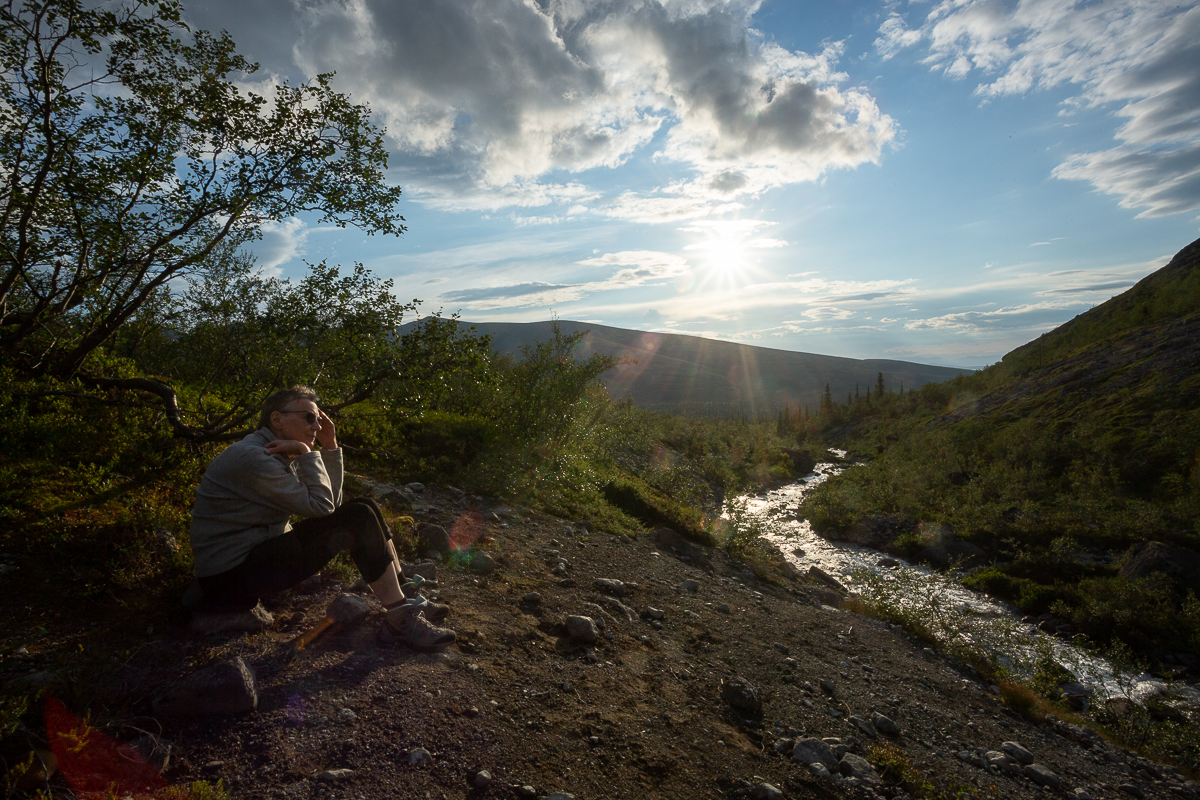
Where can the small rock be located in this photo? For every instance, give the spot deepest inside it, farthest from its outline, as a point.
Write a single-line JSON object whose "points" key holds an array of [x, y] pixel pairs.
{"points": [[1042, 776], [252, 620], [414, 487], [334, 775], [396, 500], [610, 586], [655, 613], [419, 757], [781, 648], [766, 791], [433, 537], [226, 688], [1131, 789], [526, 791], [723, 608], [783, 746], [888, 563], [456, 493], [1079, 794], [819, 770], [867, 728], [503, 512], [426, 569], [741, 695], [1017, 752], [827, 686], [854, 766], [348, 609], [532, 599], [582, 628], [884, 725], [814, 751], [483, 563], [482, 779], [690, 586], [560, 796]]}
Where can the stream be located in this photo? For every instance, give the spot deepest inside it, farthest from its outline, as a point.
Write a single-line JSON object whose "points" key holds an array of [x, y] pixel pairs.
{"points": [[973, 619]]}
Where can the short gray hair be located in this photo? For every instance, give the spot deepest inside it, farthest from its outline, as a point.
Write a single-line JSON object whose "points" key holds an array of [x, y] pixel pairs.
{"points": [[280, 400]]}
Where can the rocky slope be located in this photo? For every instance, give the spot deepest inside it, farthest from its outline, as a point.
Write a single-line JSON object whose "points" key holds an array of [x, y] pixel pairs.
{"points": [[703, 681]]}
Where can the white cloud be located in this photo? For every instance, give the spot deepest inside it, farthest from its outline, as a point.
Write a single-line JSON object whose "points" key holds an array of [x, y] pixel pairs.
{"points": [[638, 268], [1138, 55], [1033, 316], [280, 243], [484, 99]]}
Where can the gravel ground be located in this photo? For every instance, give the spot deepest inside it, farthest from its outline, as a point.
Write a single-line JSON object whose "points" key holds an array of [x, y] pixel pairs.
{"points": [[639, 713]]}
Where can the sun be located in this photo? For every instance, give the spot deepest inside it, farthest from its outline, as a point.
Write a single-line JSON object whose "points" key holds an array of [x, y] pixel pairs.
{"points": [[724, 253]]}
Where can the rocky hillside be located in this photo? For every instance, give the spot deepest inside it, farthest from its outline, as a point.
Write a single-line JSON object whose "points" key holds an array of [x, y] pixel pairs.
{"points": [[588, 665]]}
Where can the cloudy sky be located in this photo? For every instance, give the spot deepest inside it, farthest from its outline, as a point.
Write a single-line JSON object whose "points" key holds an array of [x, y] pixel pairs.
{"points": [[936, 181]]}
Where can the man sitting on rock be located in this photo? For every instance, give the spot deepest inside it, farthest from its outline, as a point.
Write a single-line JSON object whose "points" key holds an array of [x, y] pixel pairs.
{"points": [[245, 547]]}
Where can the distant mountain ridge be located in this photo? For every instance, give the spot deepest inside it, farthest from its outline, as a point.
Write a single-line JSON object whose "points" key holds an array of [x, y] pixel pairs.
{"points": [[706, 377]]}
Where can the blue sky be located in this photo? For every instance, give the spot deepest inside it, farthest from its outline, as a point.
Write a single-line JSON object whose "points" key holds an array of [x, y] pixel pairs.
{"points": [[932, 181]]}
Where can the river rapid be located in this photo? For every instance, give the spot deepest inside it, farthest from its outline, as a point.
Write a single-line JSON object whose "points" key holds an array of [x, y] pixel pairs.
{"points": [[970, 618]]}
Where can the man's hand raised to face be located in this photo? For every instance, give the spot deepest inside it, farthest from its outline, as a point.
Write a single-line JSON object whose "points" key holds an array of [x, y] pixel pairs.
{"points": [[327, 436]]}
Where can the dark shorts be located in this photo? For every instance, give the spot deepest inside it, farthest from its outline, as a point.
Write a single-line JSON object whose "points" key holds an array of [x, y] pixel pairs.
{"points": [[282, 562]]}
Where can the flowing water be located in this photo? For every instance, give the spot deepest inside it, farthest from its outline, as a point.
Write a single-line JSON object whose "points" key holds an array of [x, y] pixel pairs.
{"points": [[966, 618]]}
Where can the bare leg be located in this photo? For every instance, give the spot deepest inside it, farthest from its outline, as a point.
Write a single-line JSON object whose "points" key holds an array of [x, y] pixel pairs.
{"points": [[387, 588]]}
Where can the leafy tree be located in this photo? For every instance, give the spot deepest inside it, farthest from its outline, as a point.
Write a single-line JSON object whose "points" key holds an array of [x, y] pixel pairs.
{"points": [[132, 159], [234, 334]]}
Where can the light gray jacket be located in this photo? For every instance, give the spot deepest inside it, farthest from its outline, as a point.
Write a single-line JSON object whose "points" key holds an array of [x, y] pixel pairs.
{"points": [[247, 497]]}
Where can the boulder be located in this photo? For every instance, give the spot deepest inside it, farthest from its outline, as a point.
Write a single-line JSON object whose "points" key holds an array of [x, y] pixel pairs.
{"points": [[884, 725], [433, 537], [853, 766], [225, 688], [249, 621], [1018, 752], [426, 569], [740, 695], [348, 609], [1179, 564], [483, 563], [766, 791], [814, 751], [610, 586], [1042, 776], [582, 629], [396, 501]]}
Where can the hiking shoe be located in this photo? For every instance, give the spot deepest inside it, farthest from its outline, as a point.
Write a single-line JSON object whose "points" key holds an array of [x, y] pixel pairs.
{"points": [[406, 625], [434, 612]]}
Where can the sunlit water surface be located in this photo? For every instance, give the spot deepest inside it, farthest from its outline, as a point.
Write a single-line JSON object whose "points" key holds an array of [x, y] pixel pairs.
{"points": [[849, 563]]}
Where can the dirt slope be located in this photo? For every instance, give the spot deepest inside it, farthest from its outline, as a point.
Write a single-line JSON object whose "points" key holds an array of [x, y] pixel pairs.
{"points": [[639, 714]]}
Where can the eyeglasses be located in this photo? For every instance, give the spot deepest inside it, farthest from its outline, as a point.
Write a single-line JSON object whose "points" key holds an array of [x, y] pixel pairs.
{"points": [[309, 416]]}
